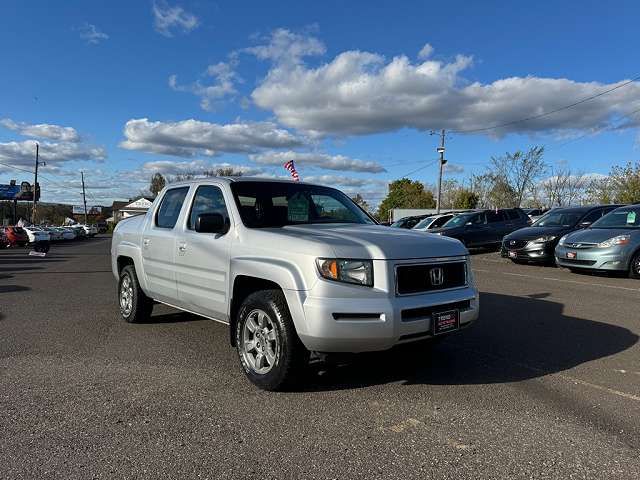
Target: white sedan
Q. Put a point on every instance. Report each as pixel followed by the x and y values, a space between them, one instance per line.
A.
pixel 36 234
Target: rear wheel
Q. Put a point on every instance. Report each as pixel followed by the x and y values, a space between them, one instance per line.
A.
pixel 271 354
pixel 135 306
pixel 634 267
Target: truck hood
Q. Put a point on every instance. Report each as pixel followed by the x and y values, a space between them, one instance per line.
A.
pixel 597 235
pixel 373 241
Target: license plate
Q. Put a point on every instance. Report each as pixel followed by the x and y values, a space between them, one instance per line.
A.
pixel 513 255
pixel 571 255
pixel 444 322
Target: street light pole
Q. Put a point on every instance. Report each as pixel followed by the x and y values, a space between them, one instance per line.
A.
pixel 440 150
pixel 35 185
pixel 84 199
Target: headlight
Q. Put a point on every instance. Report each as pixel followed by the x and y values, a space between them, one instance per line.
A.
pixel 563 239
pixel 543 239
pixel 359 272
pixel 619 240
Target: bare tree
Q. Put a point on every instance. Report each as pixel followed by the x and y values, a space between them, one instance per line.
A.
pixel 517 172
pixel 481 185
pixel 564 187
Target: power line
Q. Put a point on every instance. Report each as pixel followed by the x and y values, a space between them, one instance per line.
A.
pixel 550 112
pixel 17 168
pixel 421 168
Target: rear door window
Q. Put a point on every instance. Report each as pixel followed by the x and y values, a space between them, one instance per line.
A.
pixel 494 217
pixel 513 214
pixel 592 216
pixel 169 210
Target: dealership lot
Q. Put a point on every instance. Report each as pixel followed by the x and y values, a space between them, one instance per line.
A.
pixel 545 385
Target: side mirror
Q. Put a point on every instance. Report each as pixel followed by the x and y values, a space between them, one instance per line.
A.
pixel 468 224
pixel 584 224
pixel 211 223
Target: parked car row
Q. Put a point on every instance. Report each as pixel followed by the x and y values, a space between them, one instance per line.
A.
pixel 600 238
pixel 597 237
pixel 14 236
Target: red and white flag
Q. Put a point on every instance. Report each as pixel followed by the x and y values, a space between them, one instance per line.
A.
pixel 292 169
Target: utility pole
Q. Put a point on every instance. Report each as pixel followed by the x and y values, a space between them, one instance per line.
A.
pixel 35 185
pixel 84 199
pixel 440 150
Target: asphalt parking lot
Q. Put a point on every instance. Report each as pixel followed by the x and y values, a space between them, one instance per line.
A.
pixel 545 385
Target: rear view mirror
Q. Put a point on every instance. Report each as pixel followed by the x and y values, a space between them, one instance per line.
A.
pixel 211 223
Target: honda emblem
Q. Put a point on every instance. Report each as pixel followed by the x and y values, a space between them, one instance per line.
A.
pixel 436 275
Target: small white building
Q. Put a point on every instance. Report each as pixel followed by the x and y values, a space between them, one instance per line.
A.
pixel 121 210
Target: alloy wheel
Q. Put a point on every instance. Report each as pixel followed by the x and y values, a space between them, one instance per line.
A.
pixel 126 296
pixel 260 346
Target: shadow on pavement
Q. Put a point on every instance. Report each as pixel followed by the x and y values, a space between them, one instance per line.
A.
pixel 515 338
pixel 13 288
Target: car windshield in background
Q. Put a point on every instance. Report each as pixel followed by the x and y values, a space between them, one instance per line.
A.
pixel 425 222
pixel 626 218
pixel 459 220
pixel 277 204
pixel 558 219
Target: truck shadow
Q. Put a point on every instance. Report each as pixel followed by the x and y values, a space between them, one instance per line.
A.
pixel 515 338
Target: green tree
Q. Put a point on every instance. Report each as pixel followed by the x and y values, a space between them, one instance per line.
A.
pixel 405 193
pixel 158 182
pixel 625 183
pixel 465 198
pixel 502 194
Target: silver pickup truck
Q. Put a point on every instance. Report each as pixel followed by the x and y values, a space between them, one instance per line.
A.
pixel 291 268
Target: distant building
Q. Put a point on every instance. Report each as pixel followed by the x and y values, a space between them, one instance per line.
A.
pixel 121 210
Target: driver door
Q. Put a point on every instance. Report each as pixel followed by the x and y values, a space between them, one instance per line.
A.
pixel 202 259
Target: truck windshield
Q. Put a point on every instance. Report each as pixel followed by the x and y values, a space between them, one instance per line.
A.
pixel 277 204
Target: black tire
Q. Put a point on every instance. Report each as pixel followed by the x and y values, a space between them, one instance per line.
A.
pixel 634 266
pixel 290 357
pixel 141 306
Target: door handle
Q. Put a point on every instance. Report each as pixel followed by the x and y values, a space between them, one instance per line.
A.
pixel 146 242
pixel 182 247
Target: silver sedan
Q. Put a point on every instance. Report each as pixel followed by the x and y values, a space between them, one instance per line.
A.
pixel 611 243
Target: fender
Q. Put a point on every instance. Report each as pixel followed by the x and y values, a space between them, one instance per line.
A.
pixel 285 274
pixel 131 250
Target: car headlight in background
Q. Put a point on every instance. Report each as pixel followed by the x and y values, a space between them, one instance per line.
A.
pixel 619 240
pixel 359 272
pixel 543 239
pixel 563 239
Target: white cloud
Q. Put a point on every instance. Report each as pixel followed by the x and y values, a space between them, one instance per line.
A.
pixel 453 168
pixel 320 160
pixel 360 93
pixel 285 47
pixel 425 52
pixel 223 85
pixel 167 20
pixel 42 130
pixel 92 34
pixel 23 153
pixel 187 138
pixel 197 167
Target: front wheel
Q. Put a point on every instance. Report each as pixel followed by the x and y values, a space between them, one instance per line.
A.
pixel 135 306
pixel 271 354
pixel 634 267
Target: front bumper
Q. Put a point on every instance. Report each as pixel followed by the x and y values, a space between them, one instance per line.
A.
pixel 530 252
pixel 613 258
pixel 351 325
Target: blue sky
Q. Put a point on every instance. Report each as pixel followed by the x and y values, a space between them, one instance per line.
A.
pixel 340 87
